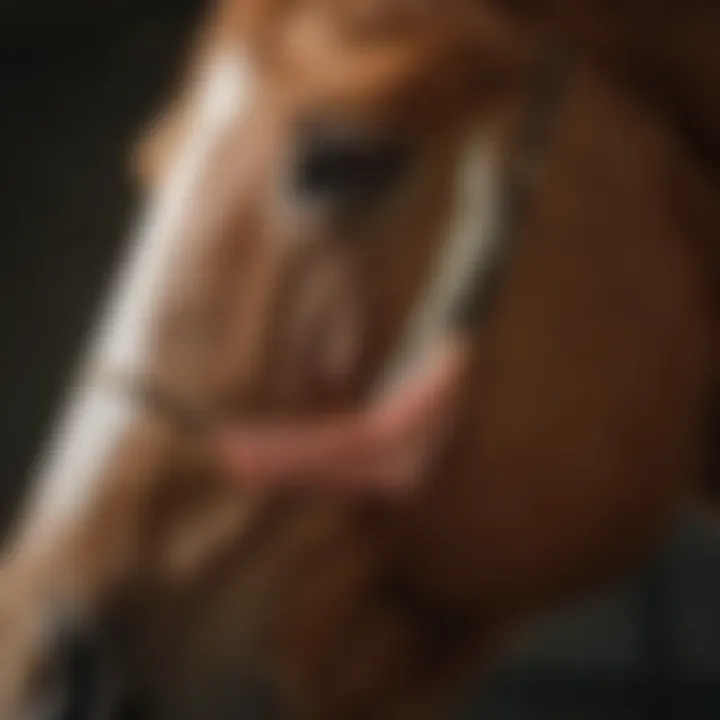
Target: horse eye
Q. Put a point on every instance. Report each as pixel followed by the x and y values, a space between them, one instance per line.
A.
pixel 348 168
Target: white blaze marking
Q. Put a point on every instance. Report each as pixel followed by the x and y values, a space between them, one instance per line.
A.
pixel 461 256
pixel 95 419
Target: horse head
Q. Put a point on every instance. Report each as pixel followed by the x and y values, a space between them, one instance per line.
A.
pixel 316 196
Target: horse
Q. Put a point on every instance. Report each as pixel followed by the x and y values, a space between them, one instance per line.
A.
pixel 317 196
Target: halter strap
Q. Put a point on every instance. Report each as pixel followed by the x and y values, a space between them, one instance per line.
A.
pixel 523 175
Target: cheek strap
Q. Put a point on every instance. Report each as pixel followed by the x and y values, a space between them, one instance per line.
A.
pixel 522 177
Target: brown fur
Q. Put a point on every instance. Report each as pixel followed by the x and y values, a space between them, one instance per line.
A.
pixel 583 426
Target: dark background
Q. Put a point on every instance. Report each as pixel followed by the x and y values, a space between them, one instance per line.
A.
pixel 77 87
pixel 78 80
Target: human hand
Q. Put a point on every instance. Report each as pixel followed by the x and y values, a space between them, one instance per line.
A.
pixel 387 447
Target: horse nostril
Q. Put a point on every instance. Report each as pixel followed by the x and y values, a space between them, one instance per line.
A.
pixel 348 168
